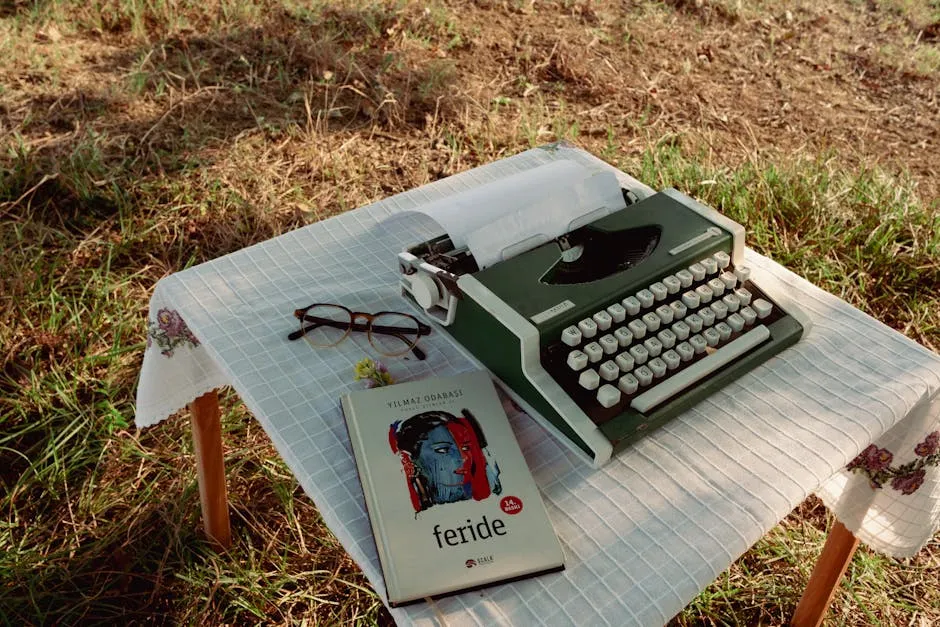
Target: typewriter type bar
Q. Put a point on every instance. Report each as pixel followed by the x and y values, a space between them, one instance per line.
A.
pixel 618 326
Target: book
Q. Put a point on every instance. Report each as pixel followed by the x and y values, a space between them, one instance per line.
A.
pixel 452 503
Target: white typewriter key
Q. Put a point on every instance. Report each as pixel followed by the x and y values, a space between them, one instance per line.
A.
pixel 644 375
pixel 723 330
pixel 698 271
pixel 571 336
pixel 603 320
pixel 659 290
pixel 608 395
pixel 589 379
pixel 749 315
pixel 711 266
pixel 625 361
pixel 762 307
pixel 678 309
pixel 744 296
pixel 682 330
pixel 728 279
pixel 722 258
pixel 743 273
pixel 705 293
pixel 695 322
pixel 667 338
pixel 731 301
pixel 617 312
pixel 637 328
pixel 639 354
pixel 609 343
pixel 594 352
pixel 652 321
pixel 624 337
pixel 698 343
pixel 720 309
pixel 711 336
pixel 736 322
pixel 645 297
pixel 685 278
pixel 718 287
pixel 609 370
pixel 672 359
pixel 628 383
pixel 685 351
pixel 672 284
pixel 577 360
pixel 707 316
pixel 691 300
pixel 653 346
pixel 588 327
pixel 665 313
pixel 658 366
pixel 631 304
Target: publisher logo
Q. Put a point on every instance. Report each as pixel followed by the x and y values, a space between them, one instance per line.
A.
pixel 511 505
pixel 482 560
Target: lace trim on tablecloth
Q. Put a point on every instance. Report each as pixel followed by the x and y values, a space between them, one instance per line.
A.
pixel 164 412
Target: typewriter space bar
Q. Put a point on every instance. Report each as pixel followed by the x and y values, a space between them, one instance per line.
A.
pixel 700 369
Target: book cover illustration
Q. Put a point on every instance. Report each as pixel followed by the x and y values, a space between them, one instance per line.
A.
pixel 444 458
pixel 450 498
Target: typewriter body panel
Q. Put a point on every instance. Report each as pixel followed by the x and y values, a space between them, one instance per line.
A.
pixel 528 318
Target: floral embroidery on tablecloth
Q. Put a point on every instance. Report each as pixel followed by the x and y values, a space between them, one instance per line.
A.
pixel 170 331
pixel 906 478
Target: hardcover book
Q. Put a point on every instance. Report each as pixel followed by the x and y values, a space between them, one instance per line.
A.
pixel 451 500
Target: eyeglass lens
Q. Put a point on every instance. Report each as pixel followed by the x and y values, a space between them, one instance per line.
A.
pixel 326 325
pixel 390 333
pixel 393 333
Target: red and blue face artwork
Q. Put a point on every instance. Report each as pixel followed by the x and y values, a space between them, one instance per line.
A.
pixel 444 458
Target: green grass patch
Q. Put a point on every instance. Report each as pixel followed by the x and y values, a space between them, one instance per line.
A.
pixel 88 530
pixel 862 235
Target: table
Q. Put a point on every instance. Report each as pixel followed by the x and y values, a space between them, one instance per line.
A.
pixel 852 413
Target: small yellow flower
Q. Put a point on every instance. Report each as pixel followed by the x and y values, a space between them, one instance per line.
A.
pixel 374 373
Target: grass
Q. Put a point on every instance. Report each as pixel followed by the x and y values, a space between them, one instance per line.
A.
pixel 139 137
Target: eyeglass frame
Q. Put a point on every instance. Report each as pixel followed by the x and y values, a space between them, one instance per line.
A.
pixel 355 325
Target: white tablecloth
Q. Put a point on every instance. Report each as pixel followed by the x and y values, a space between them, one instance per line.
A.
pixel 643 535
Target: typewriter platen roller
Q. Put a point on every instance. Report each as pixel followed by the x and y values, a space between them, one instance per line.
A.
pixel 612 329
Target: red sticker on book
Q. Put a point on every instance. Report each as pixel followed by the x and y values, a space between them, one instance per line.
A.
pixel 511 504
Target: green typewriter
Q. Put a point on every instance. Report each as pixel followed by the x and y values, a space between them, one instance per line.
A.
pixel 610 330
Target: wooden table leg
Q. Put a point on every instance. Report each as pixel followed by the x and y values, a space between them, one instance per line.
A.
pixel 835 558
pixel 207 439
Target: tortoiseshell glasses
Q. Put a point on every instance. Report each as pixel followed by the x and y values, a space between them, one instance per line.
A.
pixel 391 333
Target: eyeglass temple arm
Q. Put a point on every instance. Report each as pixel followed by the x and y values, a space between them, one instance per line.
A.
pixel 423 329
pixel 319 322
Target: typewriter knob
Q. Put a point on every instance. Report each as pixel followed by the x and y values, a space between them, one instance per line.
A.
pixel 424 289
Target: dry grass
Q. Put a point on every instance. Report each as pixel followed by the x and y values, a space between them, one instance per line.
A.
pixel 138 137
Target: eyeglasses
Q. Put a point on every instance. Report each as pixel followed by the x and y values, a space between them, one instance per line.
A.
pixel 390 333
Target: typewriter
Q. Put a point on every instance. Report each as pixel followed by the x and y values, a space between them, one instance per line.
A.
pixel 610 330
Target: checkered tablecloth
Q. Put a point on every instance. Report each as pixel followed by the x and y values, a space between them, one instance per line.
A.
pixel 644 534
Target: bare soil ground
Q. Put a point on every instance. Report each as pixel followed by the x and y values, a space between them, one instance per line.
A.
pixel 845 77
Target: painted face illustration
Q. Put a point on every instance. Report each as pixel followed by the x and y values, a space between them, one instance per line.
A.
pixel 444 459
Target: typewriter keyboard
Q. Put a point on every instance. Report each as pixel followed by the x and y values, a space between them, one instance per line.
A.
pixel 650 346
